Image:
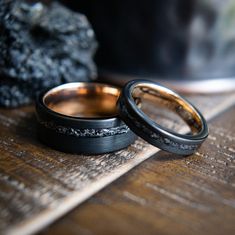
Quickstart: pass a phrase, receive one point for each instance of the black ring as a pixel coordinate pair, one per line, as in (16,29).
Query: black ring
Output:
(78,134)
(155,134)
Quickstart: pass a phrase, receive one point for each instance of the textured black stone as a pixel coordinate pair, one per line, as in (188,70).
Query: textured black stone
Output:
(42,46)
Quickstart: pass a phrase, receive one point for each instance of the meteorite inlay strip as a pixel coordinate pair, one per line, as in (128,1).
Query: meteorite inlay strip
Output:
(77,132)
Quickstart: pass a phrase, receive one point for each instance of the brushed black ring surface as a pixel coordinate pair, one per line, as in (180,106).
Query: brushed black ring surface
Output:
(81,135)
(152,132)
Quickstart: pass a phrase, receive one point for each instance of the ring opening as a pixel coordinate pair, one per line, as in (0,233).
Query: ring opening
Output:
(83,100)
(157,101)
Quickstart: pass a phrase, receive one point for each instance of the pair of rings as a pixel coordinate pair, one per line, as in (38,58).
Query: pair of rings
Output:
(95,118)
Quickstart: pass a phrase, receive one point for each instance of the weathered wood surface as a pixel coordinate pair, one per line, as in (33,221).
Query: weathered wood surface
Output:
(38,184)
(167,194)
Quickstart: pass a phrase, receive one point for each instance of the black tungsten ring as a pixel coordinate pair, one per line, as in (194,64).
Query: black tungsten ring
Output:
(153,133)
(82,118)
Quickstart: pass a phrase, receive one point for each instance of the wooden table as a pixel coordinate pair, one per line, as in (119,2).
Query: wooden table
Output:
(166,194)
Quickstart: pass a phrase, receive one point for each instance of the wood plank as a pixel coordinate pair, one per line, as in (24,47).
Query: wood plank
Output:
(39,185)
(167,194)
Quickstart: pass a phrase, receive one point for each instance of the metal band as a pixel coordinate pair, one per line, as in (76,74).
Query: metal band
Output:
(155,134)
(102,131)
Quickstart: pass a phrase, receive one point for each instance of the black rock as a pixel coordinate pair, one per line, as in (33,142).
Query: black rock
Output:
(42,46)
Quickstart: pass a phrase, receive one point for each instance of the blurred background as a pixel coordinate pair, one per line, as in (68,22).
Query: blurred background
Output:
(187,44)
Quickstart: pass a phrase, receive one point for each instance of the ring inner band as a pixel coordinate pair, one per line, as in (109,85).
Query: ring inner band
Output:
(83,100)
(167,99)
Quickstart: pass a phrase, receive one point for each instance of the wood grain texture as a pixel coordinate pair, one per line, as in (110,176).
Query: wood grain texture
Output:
(38,184)
(167,194)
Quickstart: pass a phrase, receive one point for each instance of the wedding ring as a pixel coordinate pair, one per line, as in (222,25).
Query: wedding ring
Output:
(82,118)
(95,118)
(157,135)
